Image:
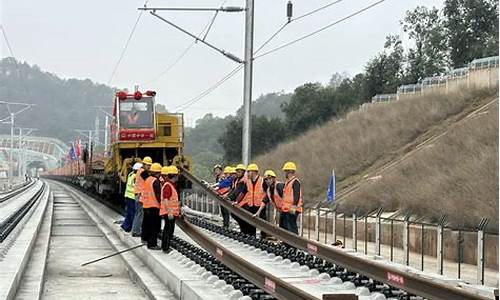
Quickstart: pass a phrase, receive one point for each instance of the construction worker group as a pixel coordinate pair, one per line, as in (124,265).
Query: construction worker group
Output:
(245,188)
(151,196)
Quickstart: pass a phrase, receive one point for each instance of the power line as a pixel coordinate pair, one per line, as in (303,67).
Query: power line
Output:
(295,19)
(126,44)
(186,50)
(320,29)
(7,42)
(233,72)
(210,89)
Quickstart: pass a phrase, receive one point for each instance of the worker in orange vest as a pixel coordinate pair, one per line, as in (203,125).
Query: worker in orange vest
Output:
(151,198)
(140,176)
(170,206)
(292,198)
(274,194)
(250,195)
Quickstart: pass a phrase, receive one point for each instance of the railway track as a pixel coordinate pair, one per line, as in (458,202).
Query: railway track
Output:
(218,259)
(378,273)
(13,213)
(9,195)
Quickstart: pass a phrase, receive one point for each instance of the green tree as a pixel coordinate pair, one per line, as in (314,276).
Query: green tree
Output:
(429,56)
(266,134)
(471,29)
(311,104)
(384,72)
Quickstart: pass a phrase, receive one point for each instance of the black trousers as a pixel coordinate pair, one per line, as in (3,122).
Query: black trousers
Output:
(288,221)
(151,224)
(168,232)
(225,217)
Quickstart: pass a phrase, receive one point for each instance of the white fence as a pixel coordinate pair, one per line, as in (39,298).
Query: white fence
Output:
(481,72)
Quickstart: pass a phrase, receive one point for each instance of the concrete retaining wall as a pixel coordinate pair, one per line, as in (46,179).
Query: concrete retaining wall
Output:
(450,239)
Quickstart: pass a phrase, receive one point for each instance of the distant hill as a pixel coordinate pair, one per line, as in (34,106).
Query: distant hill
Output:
(268,105)
(61,105)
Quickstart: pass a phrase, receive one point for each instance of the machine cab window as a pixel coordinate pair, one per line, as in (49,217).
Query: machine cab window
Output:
(136,114)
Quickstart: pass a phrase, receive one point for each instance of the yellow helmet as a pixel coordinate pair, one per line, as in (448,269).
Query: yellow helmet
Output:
(232,171)
(253,167)
(227,170)
(169,170)
(156,167)
(147,160)
(241,167)
(269,173)
(289,166)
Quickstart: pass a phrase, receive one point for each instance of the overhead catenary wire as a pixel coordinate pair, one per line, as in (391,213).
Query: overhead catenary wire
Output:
(207,91)
(124,50)
(233,72)
(320,29)
(9,47)
(205,30)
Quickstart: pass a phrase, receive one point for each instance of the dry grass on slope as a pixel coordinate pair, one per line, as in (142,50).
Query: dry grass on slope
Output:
(456,175)
(365,138)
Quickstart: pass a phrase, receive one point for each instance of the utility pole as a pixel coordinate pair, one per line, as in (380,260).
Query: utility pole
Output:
(246,146)
(21,165)
(11,118)
(106,124)
(11,163)
(248,61)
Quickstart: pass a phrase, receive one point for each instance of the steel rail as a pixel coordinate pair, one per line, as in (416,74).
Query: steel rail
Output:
(16,192)
(11,222)
(411,283)
(268,282)
(264,280)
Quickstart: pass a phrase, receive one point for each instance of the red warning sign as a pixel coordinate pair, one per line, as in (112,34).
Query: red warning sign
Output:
(312,249)
(395,279)
(271,285)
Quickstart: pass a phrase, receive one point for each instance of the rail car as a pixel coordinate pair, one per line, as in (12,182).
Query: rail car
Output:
(136,130)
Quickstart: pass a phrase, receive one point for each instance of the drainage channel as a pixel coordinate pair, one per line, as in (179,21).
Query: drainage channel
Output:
(75,238)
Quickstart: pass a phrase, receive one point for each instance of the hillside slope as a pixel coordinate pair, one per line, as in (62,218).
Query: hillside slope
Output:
(374,137)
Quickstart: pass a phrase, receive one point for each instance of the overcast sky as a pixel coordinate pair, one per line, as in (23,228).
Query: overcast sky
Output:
(83,39)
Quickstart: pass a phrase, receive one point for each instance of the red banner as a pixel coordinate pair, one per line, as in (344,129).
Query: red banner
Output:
(137,134)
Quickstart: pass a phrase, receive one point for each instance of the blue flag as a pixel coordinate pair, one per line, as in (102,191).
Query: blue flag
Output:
(72,152)
(330,193)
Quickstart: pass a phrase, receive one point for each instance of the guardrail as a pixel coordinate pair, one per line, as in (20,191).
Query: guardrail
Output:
(392,276)
(452,79)
(323,221)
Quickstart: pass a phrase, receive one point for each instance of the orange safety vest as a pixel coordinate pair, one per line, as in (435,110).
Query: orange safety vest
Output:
(288,196)
(139,183)
(255,193)
(148,196)
(277,199)
(172,203)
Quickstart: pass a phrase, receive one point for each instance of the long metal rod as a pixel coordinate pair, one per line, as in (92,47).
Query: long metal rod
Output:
(226,54)
(247,84)
(420,286)
(111,255)
(224,9)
